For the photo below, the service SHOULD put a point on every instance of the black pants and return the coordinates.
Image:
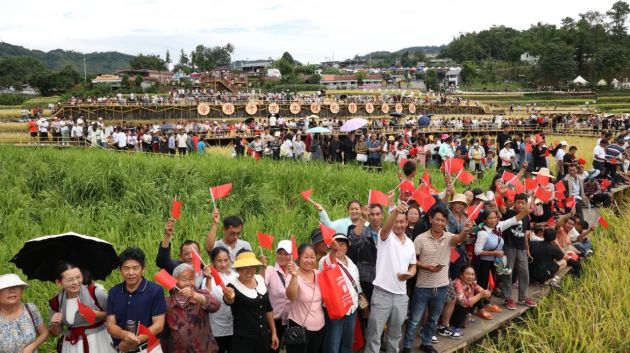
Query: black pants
(314, 340)
(225, 344)
(182, 150)
(260, 344)
(280, 333)
(602, 198)
(484, 269)
(459, 316)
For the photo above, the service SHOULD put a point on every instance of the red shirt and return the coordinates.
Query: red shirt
(32, 126)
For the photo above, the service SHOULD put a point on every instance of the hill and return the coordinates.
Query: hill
(386, 54)
(96, 63)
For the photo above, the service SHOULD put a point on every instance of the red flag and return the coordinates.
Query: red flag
(196, 260)
(543, 194)
(221, 191)
(473, 211)
(87, 313)
(294, 248)
(605, 184)
(244, 142)
(357, 342)
(510, 194)
(560, 187)
(176, 209)
(508, 177)
(454, 255)
(427, 181)
(423, 197)
(165, 279)
(613, 161)
(528, 147)
(453, 165)
(153, 342)
(378, 197)
(602, 222)
(581, 161)
(547, 153)
(465, 177)
(542, 180)
(551, 222)
(402, 162)
(407, 187)
(560, 195)
(306, 194)
(490, 281)
(265, 240)
(498, 198)
(217, 277)
(327, 233)
(570, 202)
(518, 186)
(531, 184)
(256, 156)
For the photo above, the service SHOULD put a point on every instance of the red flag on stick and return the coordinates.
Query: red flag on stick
(528, 147)
(221, 191)
(153, 342)
(87, 313)
(510, 194)
(560, 187)
(542, 180)
(543, 194)
(376, 197)
(560, 195)
(581, 161)
(357, 342)
(265, 240)
(423, 197)
(165, 279)
(551, 222)
(518, 185)
(306, 194)
(197, 261)
(605, 184)
(490, 281)
(176, 209)
(454, 255)
(473, 211)
(427, 181)
(508, 177)
(498, 198)
(327, 233)
(294, 248)
(465, 177)
(602, 222)
(407, 187)
(453, 165)
(217, 277)
(570, 202)
(531, 184)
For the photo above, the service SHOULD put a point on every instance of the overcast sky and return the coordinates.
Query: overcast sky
(312, 31)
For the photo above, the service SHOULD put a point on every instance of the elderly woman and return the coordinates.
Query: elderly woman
(187, 315)
(79, 335)
(247, 296)
(467, 293)
(221, 321)
(339, 334)
(22, 328)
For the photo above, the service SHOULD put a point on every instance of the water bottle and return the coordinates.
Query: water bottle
(132, 326)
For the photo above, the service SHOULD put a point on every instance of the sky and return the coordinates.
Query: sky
(312, 31)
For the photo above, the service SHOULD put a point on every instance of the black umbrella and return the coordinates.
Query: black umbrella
(249, 120)
(39, 257)
(395, 114)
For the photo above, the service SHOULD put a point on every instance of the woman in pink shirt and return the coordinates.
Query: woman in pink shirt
(277, 278)
(306, 301)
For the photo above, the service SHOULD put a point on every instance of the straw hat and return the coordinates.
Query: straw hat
(460, 198)
(11, 280)
(544, 172)
(246, 259)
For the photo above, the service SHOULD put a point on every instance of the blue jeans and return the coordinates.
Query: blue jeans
(424, 298)
(339, 334)
(583, 246)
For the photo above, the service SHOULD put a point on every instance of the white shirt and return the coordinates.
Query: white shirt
(120, 139)
(43, 126)
(181, 140)
(393, 257)
(221, 321)
(560, 154)
(506, 154)
(599, 153)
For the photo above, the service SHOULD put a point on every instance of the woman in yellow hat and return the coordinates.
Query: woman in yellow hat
(254, 326)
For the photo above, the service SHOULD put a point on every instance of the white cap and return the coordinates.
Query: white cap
(564, 143)
(285, 245)
(11, 280)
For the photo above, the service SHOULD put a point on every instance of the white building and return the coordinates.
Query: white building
(454, 76)
(350, 81)
(529, 58)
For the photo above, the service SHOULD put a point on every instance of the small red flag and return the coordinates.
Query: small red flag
(306, 194)
(543, 194)
(294, 248)
(605, 184)
(581, 161)
(570, 202)
(153, 342)
(453, 165)
(402, 162)
(423, 197)
(602, 222)
(197, 261)
(560, 195)
(327, 233)
(407, 187)
(510, 194)
(547, 153)
(528, 147)
(518, 186)
(473, 211)
(217, 277)
(221, 191)
(176, 209)
(378, 197)
(498, 198)
(256, 156)
(87, 313)
(357, 342)
(560, 187)
(466, 177)
(265, 240)
(508, 177)
(165, 279)
(613, 161)
(542, 180)
(531, 184)
(454, 255)
(427, 181)
(551, 222)
(490, 281)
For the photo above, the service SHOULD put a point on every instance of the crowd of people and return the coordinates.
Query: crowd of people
(406, 265)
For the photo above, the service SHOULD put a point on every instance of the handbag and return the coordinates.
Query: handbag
(297, 334)
(362, 157)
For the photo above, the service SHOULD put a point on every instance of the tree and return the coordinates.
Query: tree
(284, 65)
(183, 58)
(125, 81)
(286, 56)
(206, 58)
(67, 78)
(148, 62)
(167, 58)
(138, 81)
(17, 70)
(469, 71)
(618, 15)
(556, 63)
(44, 81)
(431, 80)
(361, 75)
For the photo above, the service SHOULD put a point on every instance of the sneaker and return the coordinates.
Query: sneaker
(434, 340)
(555, 282)
(449, 332)
(528, 302)
(589, 252)
(509, 304)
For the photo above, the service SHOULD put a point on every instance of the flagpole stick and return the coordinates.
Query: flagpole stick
(397, 186)
(212, 198)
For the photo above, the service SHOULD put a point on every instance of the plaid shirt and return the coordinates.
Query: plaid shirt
(591, 188)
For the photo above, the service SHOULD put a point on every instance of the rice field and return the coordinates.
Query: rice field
(125, 199)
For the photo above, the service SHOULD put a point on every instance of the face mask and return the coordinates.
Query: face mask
(476, 144)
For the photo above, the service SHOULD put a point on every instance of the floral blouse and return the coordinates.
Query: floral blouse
(464, 292)
(19, 333)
